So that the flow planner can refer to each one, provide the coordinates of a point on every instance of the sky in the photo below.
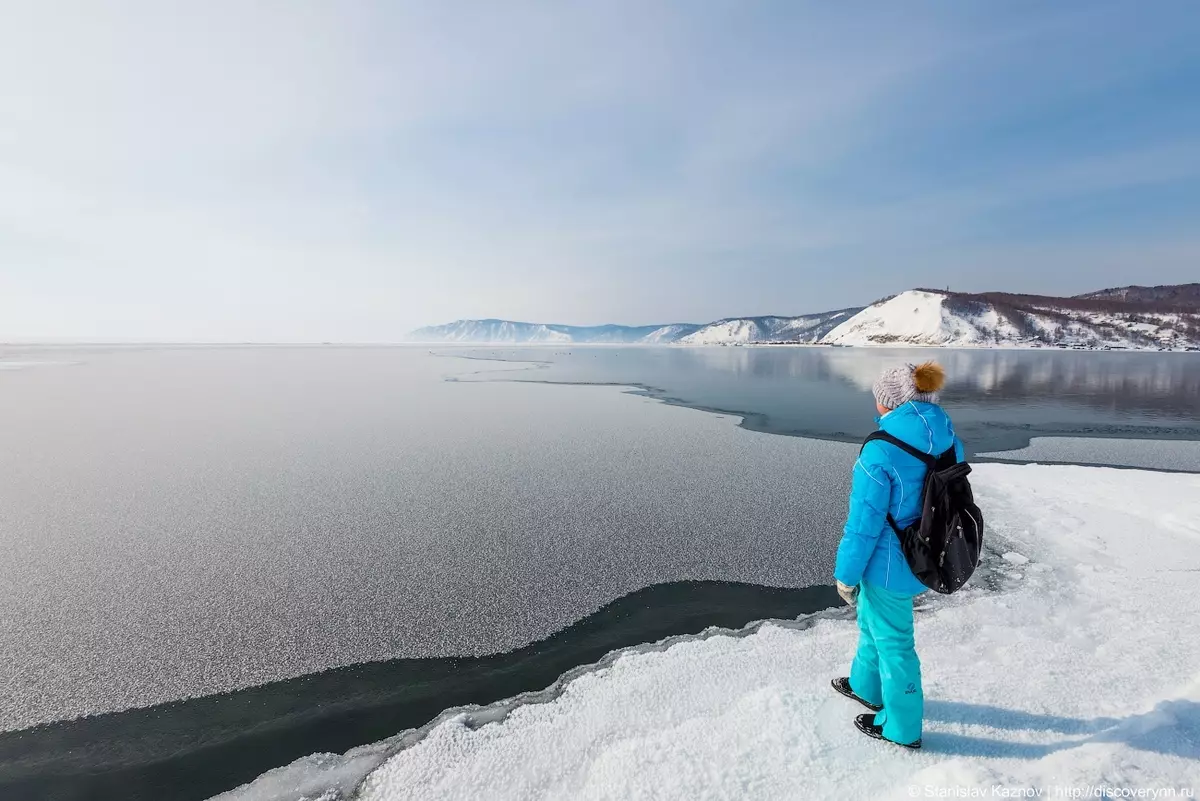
(347, 171)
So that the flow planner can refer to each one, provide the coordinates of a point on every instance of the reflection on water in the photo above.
(998, 398)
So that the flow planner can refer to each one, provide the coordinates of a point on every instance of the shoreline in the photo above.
(703, 709)
(211, 743)
(535, 366)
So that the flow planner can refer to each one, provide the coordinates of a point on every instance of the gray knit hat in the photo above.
(899, 385)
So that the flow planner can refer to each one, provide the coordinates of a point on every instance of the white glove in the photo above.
(849, 594)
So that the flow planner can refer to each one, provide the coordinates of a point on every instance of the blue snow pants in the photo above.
(886, 669)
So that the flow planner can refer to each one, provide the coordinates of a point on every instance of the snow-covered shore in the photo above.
(1071, 665)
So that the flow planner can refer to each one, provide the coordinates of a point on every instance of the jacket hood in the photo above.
(925, 426)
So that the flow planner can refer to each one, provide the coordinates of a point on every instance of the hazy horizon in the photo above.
(402, 340)
(306, 172)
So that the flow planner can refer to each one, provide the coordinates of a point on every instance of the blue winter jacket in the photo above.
(886, 479)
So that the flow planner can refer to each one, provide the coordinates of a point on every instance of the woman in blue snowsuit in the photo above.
(871, 570)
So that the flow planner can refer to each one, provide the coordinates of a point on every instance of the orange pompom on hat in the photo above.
(912, 382)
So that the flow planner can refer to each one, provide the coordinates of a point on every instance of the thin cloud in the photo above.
(313, 171)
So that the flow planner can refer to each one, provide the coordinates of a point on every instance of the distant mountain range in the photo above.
(509, 332)
(1134, 317)
(733, 330)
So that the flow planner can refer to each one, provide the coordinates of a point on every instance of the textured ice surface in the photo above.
(1067, 677)
(1147, 453)
(181, 522)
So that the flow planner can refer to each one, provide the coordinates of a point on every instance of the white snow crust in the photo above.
(1070, 671)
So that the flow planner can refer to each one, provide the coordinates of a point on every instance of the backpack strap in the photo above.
(883, 436)
(929, 460)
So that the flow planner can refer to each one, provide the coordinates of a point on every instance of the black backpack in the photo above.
(943, 547)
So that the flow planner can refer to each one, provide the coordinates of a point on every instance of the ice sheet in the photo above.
(183, 522)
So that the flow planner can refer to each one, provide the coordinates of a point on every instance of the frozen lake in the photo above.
(180, 522)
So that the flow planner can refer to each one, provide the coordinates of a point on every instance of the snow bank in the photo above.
(1072, 665)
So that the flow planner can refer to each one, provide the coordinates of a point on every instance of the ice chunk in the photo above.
(320, 777)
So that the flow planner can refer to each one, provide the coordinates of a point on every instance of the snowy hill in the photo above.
(1038, 677)
(808, 329)
(1128, 318)
(667, 333)
(509, 332)
(735, 330)
(928, 317)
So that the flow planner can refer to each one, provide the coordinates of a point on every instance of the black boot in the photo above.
(866, 724)
(842, 685)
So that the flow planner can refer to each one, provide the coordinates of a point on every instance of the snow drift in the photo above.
(1069, 662)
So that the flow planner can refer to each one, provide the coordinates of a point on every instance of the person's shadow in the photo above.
(1172, 727)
